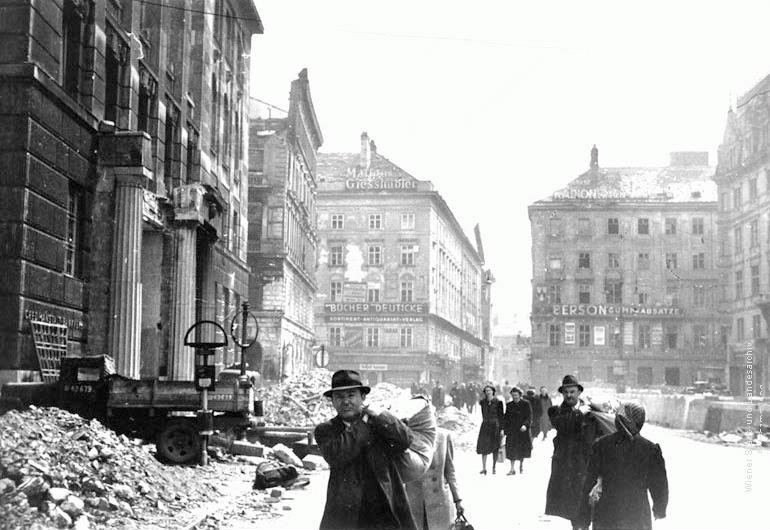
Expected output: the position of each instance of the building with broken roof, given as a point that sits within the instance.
(743, 180)
(403, 294)
(625, 285)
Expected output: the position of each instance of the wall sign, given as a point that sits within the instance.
(375, 308)
(569, 333)
(599, 339)
(614, 310)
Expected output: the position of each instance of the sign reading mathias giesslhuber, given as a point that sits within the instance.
(614, 310)
(380, 184)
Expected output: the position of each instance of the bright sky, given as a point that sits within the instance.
(499, 102)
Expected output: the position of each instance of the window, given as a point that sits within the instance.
(724, 200)
(375, 221)
(584, 293)
(643, 261)
(672, 294)
(73, 244)
(407, 221)
(275, 223)
(335, 291)
(171, 144)
(584, 260)
(616, 339)
(740, 332)
(643, 226)
(697, 226)
(375, 255)
(335, 336)
(753, 190)
(584, 335)
(699, 295)
(724, 334)
(584, 227)
(554, 334)
(738, 239)
(556, 227)
(372, 337)
(737, 199)
(336, 256)
(756, 326)
(613, 226)
(554, 293)
(671, 262)
(754, 280)
(373, 294)
(407, 255)
(738, 285)
(699, 337)
(554, 264)
(670, 226)
(644, 375)
(699, 261)
(72, 40)
(338, 221)
(613, 290)
(115, 59)
(671, 375)
(406, 337)
(754, 234)
(193, 156)
(407, 291)
(644, 336)
(672, 336)
(642, 298)
(613, 261)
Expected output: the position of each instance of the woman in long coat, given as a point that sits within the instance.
(534, 401)
(491, 428)
(434, 498)
(628, 465)
(516, 424)
(545, 404)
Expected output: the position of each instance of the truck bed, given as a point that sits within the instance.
(176, 395)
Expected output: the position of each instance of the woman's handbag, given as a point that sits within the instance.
(461, 523)
(501, 451)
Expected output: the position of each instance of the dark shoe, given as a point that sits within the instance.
(483, 472)
(512, 472)
(494, 471)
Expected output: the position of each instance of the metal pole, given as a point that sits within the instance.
(244, 315)
(205, 438)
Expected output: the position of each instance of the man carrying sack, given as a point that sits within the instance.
(362, 446)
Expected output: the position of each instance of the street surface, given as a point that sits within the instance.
(706, 483)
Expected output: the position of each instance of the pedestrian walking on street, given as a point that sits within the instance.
(545, 404)
(534, 401)
(365, 488)
(471, 396)
(516, 424)
(507, 391)
(438, 396)
(575, 433)
(491, 428)
(626, 465)
(435, 499)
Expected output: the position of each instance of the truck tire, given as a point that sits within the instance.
(178, 442)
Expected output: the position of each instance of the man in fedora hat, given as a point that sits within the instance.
(575, 432)
(365, 488)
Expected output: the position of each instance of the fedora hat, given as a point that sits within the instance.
(346, 380)
(569, 380)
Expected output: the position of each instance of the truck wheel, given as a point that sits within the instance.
(178, 442)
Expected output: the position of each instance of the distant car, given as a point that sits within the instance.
(234, 373)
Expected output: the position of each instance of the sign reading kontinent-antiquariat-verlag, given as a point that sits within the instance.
(615, 310)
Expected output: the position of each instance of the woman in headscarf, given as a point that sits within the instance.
(623, 466)
(516, 425)
(491, 428)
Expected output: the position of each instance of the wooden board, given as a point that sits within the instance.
(177, 395)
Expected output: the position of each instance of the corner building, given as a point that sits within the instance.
(282, 233)
(401, 288)
(743, 180)
(124, 165)
(625, 284)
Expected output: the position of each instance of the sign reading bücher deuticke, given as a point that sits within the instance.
(614, 310)
(376, 308)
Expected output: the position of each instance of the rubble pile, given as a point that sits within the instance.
(60, 470)
(386, 392)
(456, 420)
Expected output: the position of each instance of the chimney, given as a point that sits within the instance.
(594, 157)
(366, 152)
(373, 147)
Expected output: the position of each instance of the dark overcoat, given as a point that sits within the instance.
(628, 468)
(365, 489)
(491, 428)
(518, 445)
(537, 411)
(575, 433)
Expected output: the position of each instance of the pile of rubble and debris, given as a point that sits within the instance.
(742, 437)
(60, 470)
(463, 425)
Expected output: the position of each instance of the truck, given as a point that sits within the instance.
(153, 409)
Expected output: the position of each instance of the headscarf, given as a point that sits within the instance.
(630, 418)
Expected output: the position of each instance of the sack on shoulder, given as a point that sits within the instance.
(461, 523)
(271, 474)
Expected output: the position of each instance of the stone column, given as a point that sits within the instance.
(182, 358)
(125, 277)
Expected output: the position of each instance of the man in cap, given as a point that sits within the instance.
(575, 432)
(365, 488)
(625, 465)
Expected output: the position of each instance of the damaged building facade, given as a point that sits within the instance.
(282, 232)
(403, 295)
(124, 169)
(626, 284)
